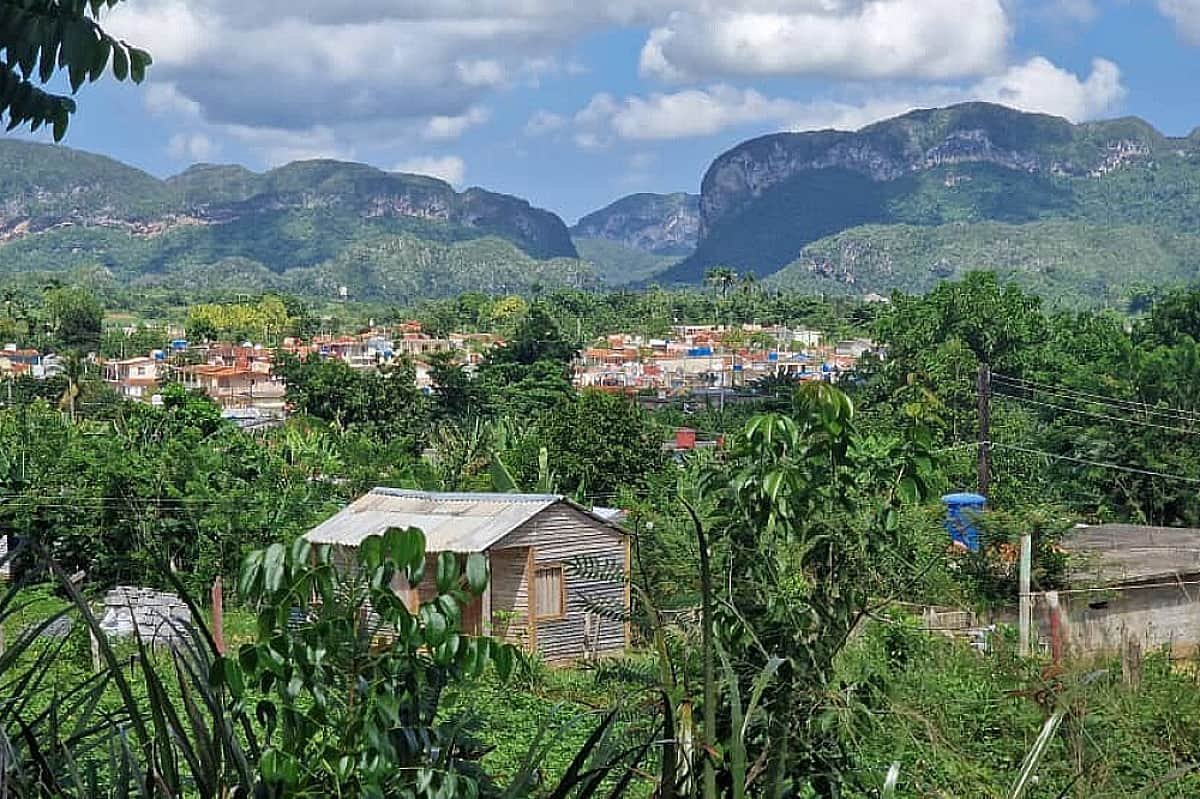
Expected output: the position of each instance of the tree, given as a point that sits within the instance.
(75, 317)
(350, 710)
(455, 393)
(723, 278)
(599, 442)
(537, 338)
(40, 38)
(807, 511)
(384, 403)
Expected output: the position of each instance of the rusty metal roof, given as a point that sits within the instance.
(452, 522)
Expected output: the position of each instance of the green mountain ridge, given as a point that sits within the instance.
(62, 210)
(774, 201)
(1073, 264)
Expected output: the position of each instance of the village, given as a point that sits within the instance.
(698, 363)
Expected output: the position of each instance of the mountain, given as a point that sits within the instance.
(62, 209)
(659, 224)
(816, 201)
(617, 264)
(1075, 264)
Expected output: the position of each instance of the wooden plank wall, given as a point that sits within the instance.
(558, 534)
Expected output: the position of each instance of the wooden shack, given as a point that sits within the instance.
(1130, 584)
(534, 598)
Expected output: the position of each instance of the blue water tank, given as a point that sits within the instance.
(961, 510)
(179, 344)
(772, 356)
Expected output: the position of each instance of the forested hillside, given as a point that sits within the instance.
(951, 170)
(64, 210)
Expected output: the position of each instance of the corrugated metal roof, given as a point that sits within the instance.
(451, 522)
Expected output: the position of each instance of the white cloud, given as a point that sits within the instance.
(1186, 16)
(694, 112)
(445, 128)
(280, 146)
(190, 146)
(450, 168)
(164, 99)
(1036, 85)
(857, 39)
(543, 122)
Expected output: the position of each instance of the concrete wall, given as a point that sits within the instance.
(1100, 622)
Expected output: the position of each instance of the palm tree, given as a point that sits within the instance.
(723, 278)
(73, 371)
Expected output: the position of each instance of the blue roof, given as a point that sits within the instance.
(964, 499)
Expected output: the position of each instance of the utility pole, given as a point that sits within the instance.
(1024, 600)
(985, 427)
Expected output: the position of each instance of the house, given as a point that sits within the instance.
(236, 386)
(1130, 584)
(533, 599)
(133, 378)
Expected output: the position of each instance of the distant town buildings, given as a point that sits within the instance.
(700, 359)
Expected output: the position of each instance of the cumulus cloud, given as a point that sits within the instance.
(449, 168)
(190, 146)
(694, 112)
(1186, 16)
(445, 128)
(1035, 85)
(281, 146)
(1039, 85)
(859, 39)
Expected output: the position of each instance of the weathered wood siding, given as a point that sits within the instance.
(559, 534)
(510, 594)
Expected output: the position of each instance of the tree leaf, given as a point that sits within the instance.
(477, 573)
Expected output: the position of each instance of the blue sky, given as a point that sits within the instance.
(573, 104)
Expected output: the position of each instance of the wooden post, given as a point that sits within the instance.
(1057, 633)
(628, 593)
(1024, 600)
(485, 601)
(96, 662)
(218, 615)
(531, 597)
(985, 425)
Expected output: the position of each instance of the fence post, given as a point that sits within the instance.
(218, 615)
(1025, 603)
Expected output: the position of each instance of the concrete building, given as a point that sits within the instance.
(134, 378)
(1130, 584)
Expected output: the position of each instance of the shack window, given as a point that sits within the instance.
(549, 593)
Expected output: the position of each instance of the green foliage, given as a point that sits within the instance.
(44, 37)
(619, 265)
(74, 316)
(351, 694)
(598, 442)
(385, 403)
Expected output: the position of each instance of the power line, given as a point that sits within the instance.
(1179, 414)
(1098, 464)
(1096, 415)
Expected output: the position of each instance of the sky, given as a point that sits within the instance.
(574, 103)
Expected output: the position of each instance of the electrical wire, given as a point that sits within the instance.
(1096, 415)
(1098, 464)
(1177, 414)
